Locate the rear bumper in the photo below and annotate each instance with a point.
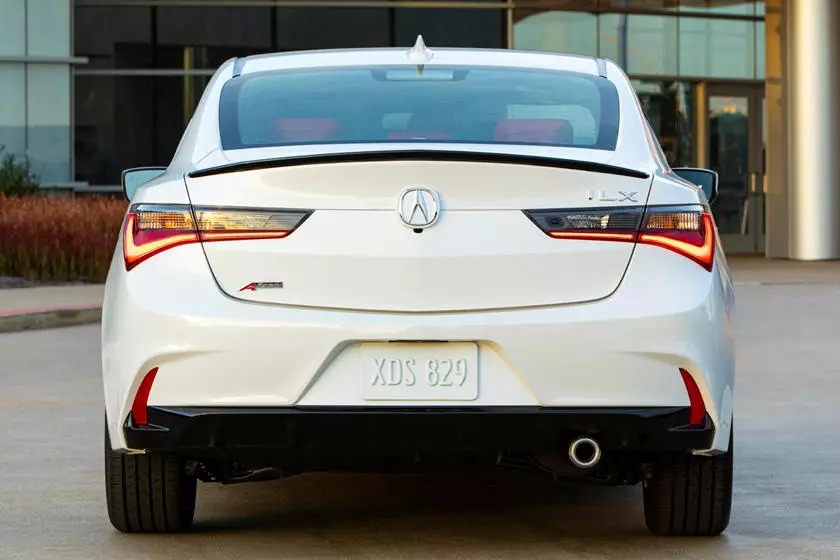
(214, 352)
(295, 433)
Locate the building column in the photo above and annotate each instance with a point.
(812, 84)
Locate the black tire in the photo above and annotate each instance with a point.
(689, 495)
(149, 493)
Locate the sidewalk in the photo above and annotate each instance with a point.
(44, 307)
(49, 306)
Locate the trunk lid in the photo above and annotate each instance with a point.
(354, 252)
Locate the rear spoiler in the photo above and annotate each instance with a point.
(420, 155)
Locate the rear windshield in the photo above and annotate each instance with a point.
(412, 104)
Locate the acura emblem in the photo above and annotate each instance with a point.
(418, 207)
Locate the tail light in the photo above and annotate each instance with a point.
(150, 229)
(686, 230)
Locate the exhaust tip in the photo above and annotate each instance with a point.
(584, 452)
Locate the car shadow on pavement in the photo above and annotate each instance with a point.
(439, 515)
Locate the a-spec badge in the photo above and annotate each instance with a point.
(622, 196)
(418, 207)
(254, 286)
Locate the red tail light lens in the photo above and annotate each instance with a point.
(150, 229)
(690, 233)
(687, 230)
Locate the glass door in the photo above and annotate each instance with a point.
(735, 146)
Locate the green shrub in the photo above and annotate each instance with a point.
(58, 239)
(15, 176)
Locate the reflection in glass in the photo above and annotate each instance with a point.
(153, 109)
(727, 7)
(13, 108)
(638, 4)
(114, 37)
(448, 27)
(641, 44)
(48, 121)
(13, 28)
(224, 32)
(759, 50)
(718, 48)
(566, 32)
(668, 107)
(47, 27)
(729, 156)
(328, 28)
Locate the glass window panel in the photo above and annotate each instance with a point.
(642, 44)
(48, 121)
(717, 48)
(154, 109)
(668, 106)
(729, 128)
(759, 50)
(638, 4)
(444, 104)
(114, 37)
(12, 28)
(728, 7)
(224, 32)
(324, 28)
(13, 108)
(565, 32)
(48, 28)
(447, 27)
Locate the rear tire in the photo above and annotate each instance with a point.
(689, 494)
(149, 493)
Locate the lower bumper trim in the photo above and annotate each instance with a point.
(219, 432)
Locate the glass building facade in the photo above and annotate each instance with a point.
(147, 63)
(90, 87)
(35, 86)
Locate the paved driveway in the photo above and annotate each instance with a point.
(787, 489)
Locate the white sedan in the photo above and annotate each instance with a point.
(405, 259)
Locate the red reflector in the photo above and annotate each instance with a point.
(138, 408)
(698, 407)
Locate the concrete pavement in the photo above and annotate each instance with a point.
(787, 487)
(50, 306)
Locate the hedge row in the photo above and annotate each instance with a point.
(56, 239)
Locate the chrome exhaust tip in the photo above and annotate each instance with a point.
(584, 452)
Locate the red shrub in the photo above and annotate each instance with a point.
(58, 239)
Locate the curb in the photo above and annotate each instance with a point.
(49, 318)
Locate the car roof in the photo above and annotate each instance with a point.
(399, 56)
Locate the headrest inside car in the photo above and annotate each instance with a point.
(307, 130)
(538, 131)
(419, 135)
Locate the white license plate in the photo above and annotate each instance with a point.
(421, 371)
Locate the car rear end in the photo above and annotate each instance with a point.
(465, 262)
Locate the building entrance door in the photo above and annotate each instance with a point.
(735, 148)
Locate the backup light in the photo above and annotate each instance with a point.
(150, 229)
(686, 230)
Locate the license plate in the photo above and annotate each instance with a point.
(421, 371)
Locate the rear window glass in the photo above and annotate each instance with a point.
(408, 104)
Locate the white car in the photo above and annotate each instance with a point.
(408, 259)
